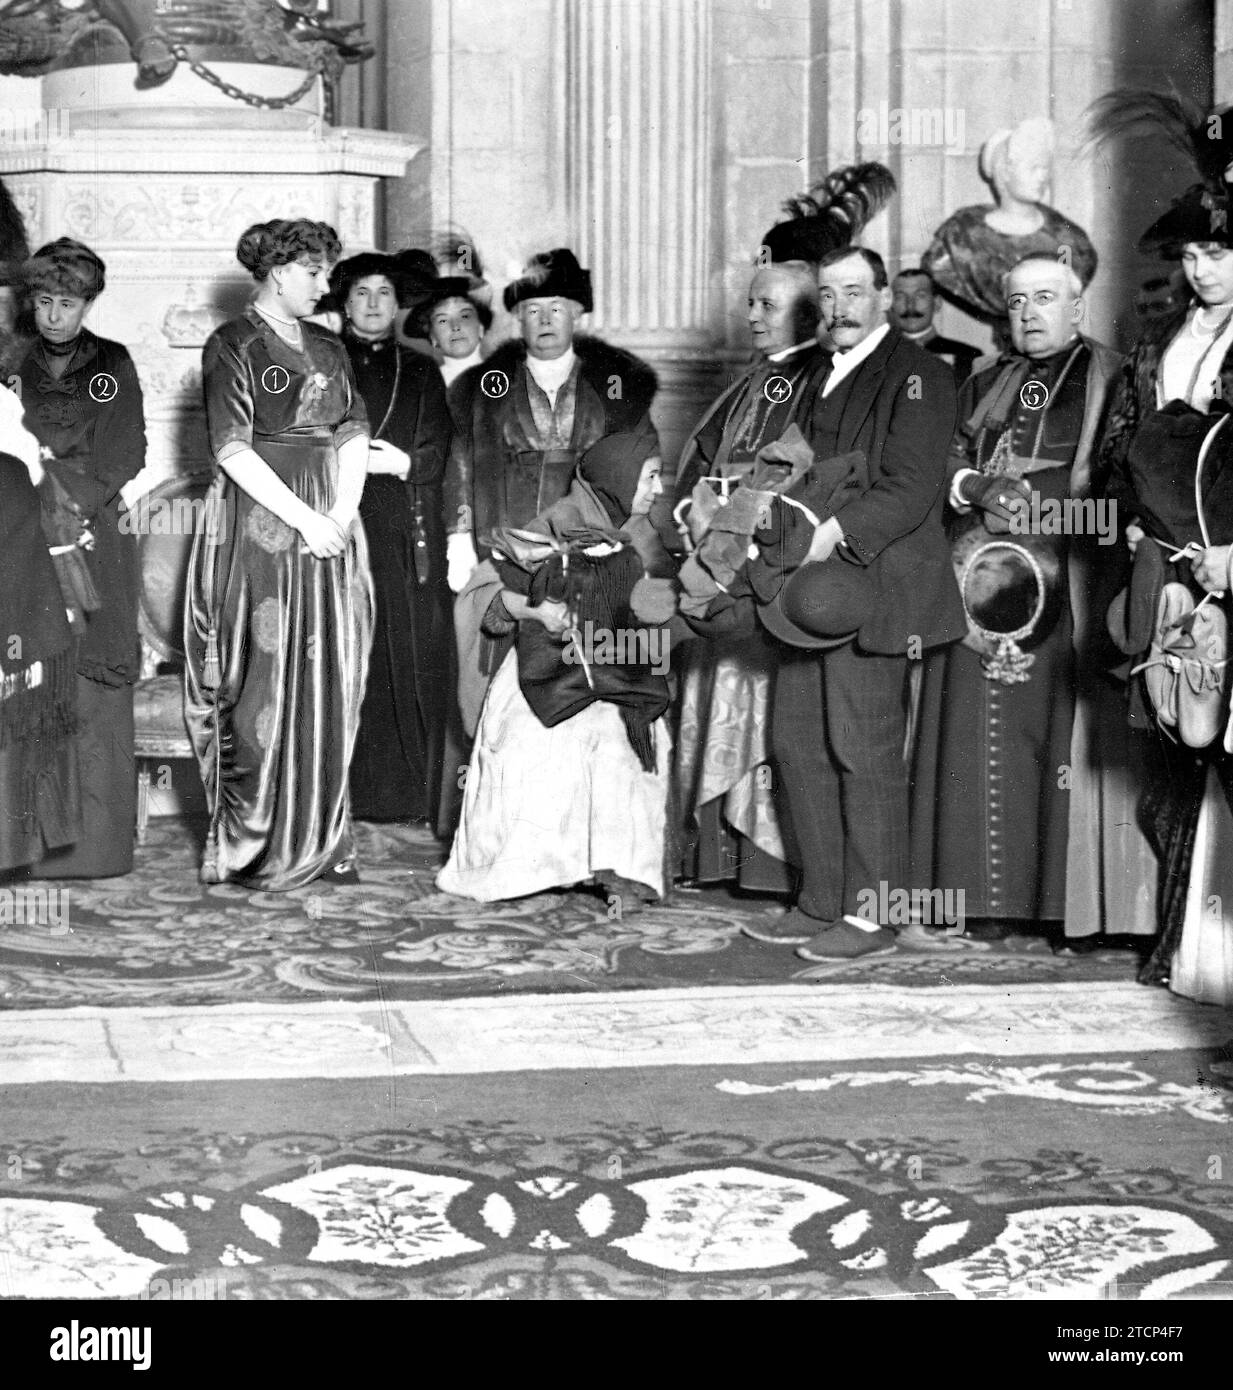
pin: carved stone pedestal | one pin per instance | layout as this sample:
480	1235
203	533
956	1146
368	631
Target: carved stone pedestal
164	208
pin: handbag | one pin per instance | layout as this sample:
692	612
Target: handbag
1186	670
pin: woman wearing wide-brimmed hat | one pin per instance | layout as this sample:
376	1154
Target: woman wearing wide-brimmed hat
396	773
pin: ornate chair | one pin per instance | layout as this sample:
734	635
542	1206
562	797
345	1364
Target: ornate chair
166	523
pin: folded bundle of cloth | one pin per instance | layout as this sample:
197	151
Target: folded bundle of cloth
746	545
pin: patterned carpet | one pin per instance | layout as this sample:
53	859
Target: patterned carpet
158	937
380	1092
885	1182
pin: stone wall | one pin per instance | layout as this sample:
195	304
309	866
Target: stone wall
790	87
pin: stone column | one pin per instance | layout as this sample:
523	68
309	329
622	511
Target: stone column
637	142
1222	76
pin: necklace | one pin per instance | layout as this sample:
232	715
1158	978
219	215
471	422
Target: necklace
1201	330
293	323
297	341
389	410
354	337
1207	352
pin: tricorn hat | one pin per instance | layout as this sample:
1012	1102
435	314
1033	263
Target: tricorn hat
549	275
823	604
1205	142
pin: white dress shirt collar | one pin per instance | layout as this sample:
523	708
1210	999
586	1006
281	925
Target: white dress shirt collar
845	363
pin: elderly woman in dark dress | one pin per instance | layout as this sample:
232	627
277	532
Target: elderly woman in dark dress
279	608
396	772
40	806
83	403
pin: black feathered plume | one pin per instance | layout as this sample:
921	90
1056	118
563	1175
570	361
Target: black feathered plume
831	214
855	194
1206	142
1204	212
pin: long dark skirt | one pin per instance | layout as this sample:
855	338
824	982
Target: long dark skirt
39	810
396	773
102	847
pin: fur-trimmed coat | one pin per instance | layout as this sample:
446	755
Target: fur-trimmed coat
497	474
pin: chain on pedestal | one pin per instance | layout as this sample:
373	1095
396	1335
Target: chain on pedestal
237	93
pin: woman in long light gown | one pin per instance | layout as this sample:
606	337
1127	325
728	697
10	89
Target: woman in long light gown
279	610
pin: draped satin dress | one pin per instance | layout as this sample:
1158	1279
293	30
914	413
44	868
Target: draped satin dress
276	641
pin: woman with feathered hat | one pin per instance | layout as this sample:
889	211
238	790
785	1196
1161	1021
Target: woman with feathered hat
1166	460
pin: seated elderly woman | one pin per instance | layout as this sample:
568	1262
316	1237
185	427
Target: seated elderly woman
40	801
568	780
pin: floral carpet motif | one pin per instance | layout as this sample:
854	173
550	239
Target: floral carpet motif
494	1211
1115	1088
159	937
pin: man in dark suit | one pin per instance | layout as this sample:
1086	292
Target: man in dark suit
912	310
839	721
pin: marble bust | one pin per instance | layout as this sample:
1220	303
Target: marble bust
975	247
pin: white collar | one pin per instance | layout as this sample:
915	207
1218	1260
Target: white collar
920	339
551	375
843	364
452	367
788	352
851	356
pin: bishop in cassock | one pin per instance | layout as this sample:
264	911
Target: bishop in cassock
725	789
1022	763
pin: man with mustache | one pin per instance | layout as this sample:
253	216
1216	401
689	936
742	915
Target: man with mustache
840	713
525	416
912	312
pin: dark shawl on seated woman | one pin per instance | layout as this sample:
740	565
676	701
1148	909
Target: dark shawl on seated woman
33	622
627	591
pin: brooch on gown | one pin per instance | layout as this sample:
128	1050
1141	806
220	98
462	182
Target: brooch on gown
315	389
